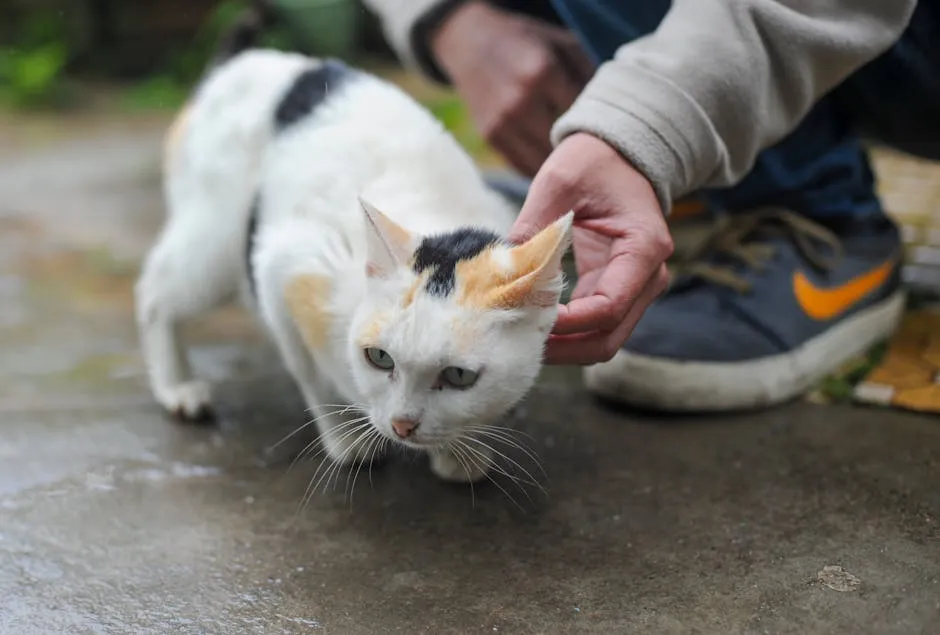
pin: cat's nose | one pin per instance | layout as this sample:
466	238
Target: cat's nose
404	428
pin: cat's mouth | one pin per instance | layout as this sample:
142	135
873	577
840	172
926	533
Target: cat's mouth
419	443
418	440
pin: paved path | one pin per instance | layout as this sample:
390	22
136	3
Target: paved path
803	520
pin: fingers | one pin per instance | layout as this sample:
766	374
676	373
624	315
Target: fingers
549	198
618	288
561	88
598	346
574	58
570	53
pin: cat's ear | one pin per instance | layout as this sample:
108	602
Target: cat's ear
389	245
537	279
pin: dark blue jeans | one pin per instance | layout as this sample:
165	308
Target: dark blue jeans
820	169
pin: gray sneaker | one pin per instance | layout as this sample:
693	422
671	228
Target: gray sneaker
771	304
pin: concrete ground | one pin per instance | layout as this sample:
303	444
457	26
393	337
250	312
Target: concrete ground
807	519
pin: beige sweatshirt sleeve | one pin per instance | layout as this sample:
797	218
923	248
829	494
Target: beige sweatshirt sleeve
693	104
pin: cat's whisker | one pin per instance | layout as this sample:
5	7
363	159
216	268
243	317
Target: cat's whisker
508	431
314	483
365	441
498	434
494	436
339	462
354	447
518	482
383	441
531	479
373	437
459	455
307	425
343	426
301	428
484	467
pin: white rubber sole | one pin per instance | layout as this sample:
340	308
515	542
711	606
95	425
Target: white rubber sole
675	386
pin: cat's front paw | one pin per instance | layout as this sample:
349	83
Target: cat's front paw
448	467
191	401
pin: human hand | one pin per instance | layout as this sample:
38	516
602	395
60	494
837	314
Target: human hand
621	243
516	74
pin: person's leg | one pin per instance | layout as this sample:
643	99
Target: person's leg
540	9
895	99
803	276
819	170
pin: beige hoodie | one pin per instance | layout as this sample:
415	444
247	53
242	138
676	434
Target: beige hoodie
692	104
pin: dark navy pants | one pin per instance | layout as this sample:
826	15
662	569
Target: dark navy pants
821	168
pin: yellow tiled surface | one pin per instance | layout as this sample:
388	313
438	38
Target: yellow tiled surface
909	374
910	191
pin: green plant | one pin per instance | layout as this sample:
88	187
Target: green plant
452	113
839	386
160	92
32	69
30	77
168	88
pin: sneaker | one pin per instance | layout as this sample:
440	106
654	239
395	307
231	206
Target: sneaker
768	306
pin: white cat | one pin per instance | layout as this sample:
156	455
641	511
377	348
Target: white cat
419	315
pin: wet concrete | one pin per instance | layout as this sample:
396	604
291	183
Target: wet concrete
807	519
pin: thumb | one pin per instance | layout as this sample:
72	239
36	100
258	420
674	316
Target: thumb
543	205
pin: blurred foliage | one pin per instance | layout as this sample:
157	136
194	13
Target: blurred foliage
32	69
168	88
31	77
159	92
839	387
451	111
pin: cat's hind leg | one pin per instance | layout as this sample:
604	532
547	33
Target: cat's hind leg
190	270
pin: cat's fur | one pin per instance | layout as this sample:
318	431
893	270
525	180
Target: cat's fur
275	175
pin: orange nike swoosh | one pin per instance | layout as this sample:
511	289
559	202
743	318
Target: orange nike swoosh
825	304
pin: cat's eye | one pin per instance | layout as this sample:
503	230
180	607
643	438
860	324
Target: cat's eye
459	377
380	359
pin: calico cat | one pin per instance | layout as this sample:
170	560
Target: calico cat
365	240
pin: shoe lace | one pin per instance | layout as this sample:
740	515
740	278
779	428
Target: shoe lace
741	238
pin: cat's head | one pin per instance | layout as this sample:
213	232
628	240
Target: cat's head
452	332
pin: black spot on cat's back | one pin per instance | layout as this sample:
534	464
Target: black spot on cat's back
309	90
442	252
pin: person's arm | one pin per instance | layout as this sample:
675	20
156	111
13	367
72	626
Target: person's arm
406	24
693	104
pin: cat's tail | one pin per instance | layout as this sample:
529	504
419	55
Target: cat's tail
241	36
244	33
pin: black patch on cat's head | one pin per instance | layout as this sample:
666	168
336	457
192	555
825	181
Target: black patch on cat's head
309	90
442	252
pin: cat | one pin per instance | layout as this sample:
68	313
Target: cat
363	237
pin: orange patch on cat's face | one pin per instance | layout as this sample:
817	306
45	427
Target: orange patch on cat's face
464	333
486	283
409	297
372	330
307	298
